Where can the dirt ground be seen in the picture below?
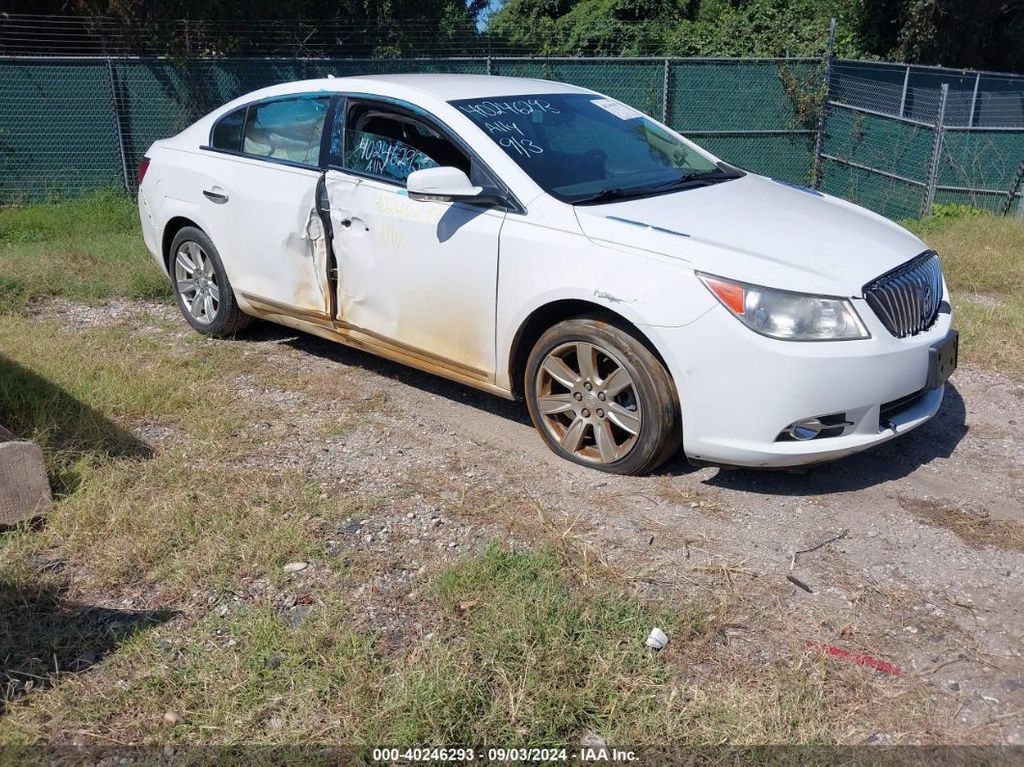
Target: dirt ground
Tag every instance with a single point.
(926, 570)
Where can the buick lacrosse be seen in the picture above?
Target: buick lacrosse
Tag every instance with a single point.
(546, 242)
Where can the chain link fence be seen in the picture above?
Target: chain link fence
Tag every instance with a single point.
(902, 138)
(895, 139)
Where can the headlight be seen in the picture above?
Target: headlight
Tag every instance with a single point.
(788, 316)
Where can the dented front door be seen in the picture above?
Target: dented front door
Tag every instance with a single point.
(278, 244)
(422, 275)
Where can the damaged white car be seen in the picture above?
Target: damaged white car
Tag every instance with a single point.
(546, 242)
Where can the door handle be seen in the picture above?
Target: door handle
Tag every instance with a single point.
(217, 197)
(347, 222)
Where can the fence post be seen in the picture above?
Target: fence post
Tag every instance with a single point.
(1014, 190)
(933, 164)
(974, 99)
(664, 93)
(819, 140)
(116, 109)
(906, 87)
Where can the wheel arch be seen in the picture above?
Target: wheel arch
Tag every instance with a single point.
(550, 314)
(174, 225)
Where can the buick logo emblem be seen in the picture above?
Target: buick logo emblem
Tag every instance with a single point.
(926, 301)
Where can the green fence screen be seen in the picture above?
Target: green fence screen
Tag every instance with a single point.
(68, 126)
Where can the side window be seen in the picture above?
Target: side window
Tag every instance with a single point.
(227, 133)
(287, 129)
(390, 144)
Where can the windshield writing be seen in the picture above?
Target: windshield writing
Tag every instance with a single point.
(582, 147)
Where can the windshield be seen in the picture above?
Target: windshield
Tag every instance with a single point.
(585, 148)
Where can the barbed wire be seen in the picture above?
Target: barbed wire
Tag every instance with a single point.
(26, 34)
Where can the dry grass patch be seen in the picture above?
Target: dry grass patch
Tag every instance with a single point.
(983, 259)
(112, 373)
(973, 526)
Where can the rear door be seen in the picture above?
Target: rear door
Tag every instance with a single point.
(420, 276)
(259, 183)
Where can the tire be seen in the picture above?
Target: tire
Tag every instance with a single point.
(618, 414)
(202, 290)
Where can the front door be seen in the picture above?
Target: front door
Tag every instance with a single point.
(420, 276)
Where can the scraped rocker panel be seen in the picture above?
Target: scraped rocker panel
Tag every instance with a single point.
(320, 324)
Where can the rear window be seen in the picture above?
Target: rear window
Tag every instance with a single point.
(288, 129)
(227, 133)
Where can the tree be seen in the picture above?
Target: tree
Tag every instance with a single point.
(981, 34)
(672, 27)
(296, 27)
(984, 34)
(766, 28)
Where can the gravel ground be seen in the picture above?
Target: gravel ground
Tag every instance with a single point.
(927, 571)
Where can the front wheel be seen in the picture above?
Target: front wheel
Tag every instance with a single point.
(601, 398)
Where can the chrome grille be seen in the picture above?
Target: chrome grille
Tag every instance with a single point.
(908, 298)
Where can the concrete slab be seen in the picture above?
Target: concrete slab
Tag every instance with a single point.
(24, 487)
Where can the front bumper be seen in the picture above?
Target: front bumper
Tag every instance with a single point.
(739, 390)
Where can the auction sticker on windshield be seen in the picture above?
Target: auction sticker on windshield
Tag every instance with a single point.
(617, 109)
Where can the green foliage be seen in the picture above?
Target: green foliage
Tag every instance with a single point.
(982, 34)
(218, 27)
(976, 33)
(762, 28)
(806, 91)
(674, 27)
(953, 211)
(618, 27)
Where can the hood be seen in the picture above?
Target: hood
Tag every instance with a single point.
(762, 231)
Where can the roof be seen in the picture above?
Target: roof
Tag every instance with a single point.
(459, 86)
(413, 87)
(445, 87)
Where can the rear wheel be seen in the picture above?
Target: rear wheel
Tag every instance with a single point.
(201, 285)
(601, 398)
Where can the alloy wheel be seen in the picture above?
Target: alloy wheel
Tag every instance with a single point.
(197, 282)
(588, 402)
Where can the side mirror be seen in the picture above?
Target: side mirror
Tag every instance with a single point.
(444, 184)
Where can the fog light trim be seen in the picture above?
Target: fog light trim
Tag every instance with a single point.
(815, 427)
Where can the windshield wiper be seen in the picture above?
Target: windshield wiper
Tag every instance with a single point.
(614, 193)
(702, 178)
(714, 176)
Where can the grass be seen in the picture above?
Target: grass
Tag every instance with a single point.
(86, 250)
(153, 606)
(522, 655)
(983, 258)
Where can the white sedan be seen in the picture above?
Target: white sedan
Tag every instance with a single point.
(546, 242)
